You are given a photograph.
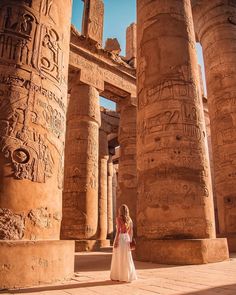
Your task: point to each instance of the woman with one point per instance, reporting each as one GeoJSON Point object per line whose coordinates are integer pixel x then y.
{"type": "Point", "coordinates": [122, 265]}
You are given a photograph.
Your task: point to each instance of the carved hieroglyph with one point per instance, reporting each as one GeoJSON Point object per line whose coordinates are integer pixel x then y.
{"type": "Point", "coordinates": [127, 177]}
{"type": "Point", "coordinates": [174, 183]}
{"type": "Point", "coordinates": [80, 195]}
{"type": "Point", "coordinates": [215, 24]}
{"type": "Point", "coordinates": [34, 49]}
{"type": "Point", "coordinates": [93, 20]}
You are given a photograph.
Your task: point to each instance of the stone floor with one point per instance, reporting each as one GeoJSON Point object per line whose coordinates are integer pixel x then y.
{"type": "Point", "coordinates": [92, 277]}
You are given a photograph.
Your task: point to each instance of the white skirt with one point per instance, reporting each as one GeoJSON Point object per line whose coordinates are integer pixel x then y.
{"type": "Point", "coordinates": [122, 265]}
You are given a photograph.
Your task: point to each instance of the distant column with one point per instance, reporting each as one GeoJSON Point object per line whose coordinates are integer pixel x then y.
{"type": "Point", "coordinates": [175, 214]}
{"type": "Point", "coordinates": [80, 195]}
{"type": "Point", "coordinates": [103, 191]}
{"type": "Point", "coordinates": [93, 17]}
{"type": "Point", "coordinates": [110, 198]}
{"type": "Point", "coordinates": [215, 24]}
{"type": "Point", "coordinates": [131, 45]}
{"type": "Point", "coordinates": [127, 177]}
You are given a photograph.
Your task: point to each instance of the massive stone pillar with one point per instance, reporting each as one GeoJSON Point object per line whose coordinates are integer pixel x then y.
{"type": "Point", "coordinates": [80, 195]}
{"type": "Point", "coordinates": [175, 214]}
{"type": "Point", "coordinates": [127, 177]}
{"type": "Point", "coordinates": [215, 25]}
{"type": "Point", "coordinates": [110, 228]}
{"type": "Point", "coordinates": [34, 53]}
{"type": "Point", "coordinates": [102, 194]}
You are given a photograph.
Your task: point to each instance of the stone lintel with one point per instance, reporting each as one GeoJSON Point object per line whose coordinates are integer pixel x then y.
{"type": "Point", "coordinates": [31, 263]}
{"type": "Point", "coordinates": [96, 68]}
{"type": "Point", "coordinates": [181, 252]}
{"type": "Point", "coordinates": [90, 245]}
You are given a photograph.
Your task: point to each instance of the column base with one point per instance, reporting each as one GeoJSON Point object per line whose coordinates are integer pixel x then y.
{"type": "Point", "coordinates": [30, 263]}
{"type": "Point", "coordinates": [90, 245]}
{"type": "Point", "coordinates": [231, 243]}
{"type": "Point", "coordinates": [181, 252]}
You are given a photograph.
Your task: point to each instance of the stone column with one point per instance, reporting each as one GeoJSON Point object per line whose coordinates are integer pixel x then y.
{"type": "Point", "coordinates": [110, 228]}
{"type": "Point", "coordinates": [127, 177]}
{"type": "Point", "coordinates": [34, 53]}
{"type": "Point", "coordinates": [80, 195]}
{"type": "Point", "coordinates": [175, 214]}
{"type": "Point", "coordinates": [93, 17]}
{"type": "Point", "coordinates": [103, 191]}
{"type": "Point", "coordinates": [131, 45]}
{"type": "Point", "coordinates": [215, 25]}
{"type": "Point", "coordinates": [114, 194]}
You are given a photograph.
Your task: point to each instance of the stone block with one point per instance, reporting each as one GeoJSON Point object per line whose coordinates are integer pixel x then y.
{"type": "Point", "coordinates": [90, 245]}
{"type": "Point", "coordinates": [181, 252]}
{"type": "Point", "coordinates": [31, 263]}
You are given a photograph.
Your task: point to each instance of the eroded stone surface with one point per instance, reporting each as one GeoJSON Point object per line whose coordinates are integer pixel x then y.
{"type": "Point", "coordinates": [12, 226]}
{"type": "Point", "coordinates": [102, 192]}
{"type": "Point", "coordinates": [93, 20]}
{"type": "Point", "coordinates": [34, 48]}
{"type": "Point", "coordinates": [127, 176]}
{"type": "Point", "coordinates": [80, 195]}
{"type": "Point", "coordinates": [112, 45]}
{"type": "Point", "coordinates": [216, 34]}
{"type": "Point", "coordinates": [174, 183]}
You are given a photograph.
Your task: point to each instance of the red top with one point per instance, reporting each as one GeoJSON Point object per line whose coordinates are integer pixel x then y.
{"type": "Point", "coordinates": [121, 226]}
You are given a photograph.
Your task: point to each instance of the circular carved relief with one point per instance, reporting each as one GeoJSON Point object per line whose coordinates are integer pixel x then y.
{"type": "Point", "coordinates": [21, 156]}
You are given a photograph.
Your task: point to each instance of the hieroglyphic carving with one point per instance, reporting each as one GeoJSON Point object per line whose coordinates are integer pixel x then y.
{"type": "Point", "coordinates": [18, 31]}
{"type": "Point", "coordinates": [93, 19]}
{"type": "Point", "coordinates": [46, 6]}
{"type": "Point", "coordinates": [50, 54]}
{"type": "Point", "coordinates": [24, 42]}
{"type": "Point", "coordinates": [13, 80]}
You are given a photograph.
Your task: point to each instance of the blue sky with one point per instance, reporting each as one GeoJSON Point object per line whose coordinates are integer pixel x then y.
{"type": "Point", "coordinates": [119, 14]}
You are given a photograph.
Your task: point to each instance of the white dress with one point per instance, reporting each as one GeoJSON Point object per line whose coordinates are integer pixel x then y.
{"type": "Point", "coordinates": [122, 265]}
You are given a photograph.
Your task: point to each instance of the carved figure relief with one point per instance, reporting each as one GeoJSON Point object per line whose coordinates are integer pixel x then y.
{"type": "Point", "coordinates": [19, 28]}
{"type": "Point", "coordinates": [50, 53]}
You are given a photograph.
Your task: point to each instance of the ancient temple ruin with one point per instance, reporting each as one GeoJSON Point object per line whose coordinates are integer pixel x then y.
{"type": "Point", "coordinates": [168, 152]}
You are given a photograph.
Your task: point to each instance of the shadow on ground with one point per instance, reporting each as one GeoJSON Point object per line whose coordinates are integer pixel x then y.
{"type": "Point", "coordinates": [63, 287]}
{"type": "Point", "coordinates": [93, 262]}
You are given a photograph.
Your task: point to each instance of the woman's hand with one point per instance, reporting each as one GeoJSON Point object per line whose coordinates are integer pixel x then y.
{"type": "Point", "coordinates": [115, 244]}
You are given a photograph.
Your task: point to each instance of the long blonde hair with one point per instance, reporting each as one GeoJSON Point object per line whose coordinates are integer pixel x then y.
{"type": "Point", "coordinates": [124, 215]}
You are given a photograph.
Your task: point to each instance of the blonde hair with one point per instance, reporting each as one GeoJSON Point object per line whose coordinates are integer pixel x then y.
{"type": "Point", "coordinates": [124, 214]}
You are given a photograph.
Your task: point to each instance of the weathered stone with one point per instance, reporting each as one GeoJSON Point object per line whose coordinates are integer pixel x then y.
{"type": "Point", "coordinates": [112, 45]}
{"type": "Point", "coordinates": [174, 182]}
{"type": "Point", "coordinates": [110, 217]}
{"type": "Point", "coordinates": [127, 177]}
{"type": "Point", "coordinates": [93, 17]}
{"type": "Point", "coordinates": [216, 30]}
{"type": "Point", "coordinates": [12, 226]}
{"type": "Point", "coordinates": [102, 193]}
{"type": "Point", "coordinates": [131, 45]}
{"type": "Point", "coordinates": [30, 263]}
{"type": "Point", "coordinates": [80, 195]}
{"type": "Point", "coordinates": [34, 55]}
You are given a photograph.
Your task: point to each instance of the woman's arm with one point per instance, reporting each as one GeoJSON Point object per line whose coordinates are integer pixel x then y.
{"type": "Point", "coordinates": [116, 240]}
{"type": "Point", "coordinates": [131, 232]}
